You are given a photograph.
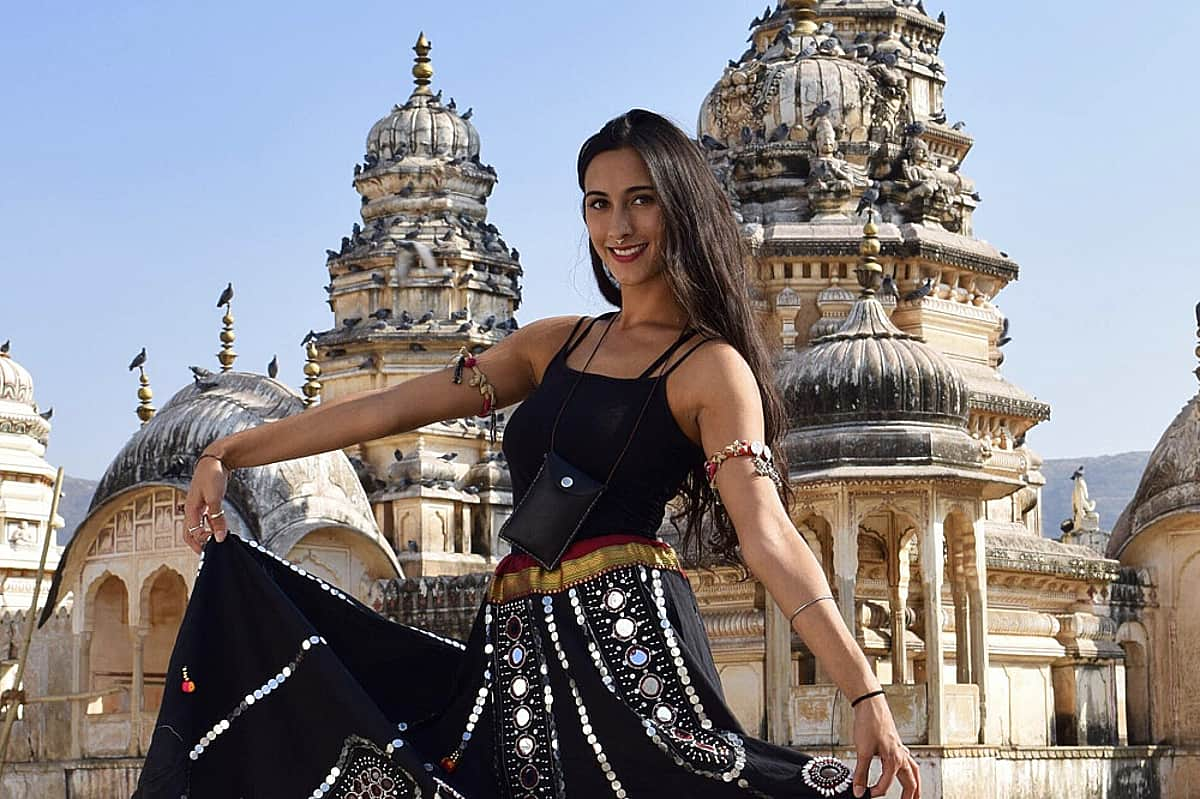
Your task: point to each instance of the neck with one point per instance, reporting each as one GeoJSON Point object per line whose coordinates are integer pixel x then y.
{"type": "Point", "coordinates": [651, 304]}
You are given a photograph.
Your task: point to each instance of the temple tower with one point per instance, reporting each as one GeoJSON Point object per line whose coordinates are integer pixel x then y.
{"type": "Point", "coordinates": [424, 274]}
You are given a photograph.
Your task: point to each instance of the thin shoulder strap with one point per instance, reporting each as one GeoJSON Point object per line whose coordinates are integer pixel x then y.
{"type": "Point", "coordinates": [573, 342]}
{"type": "Point", "coordinates": [693, 348]}
{"type": "Point", "coordinates": [661, 359]}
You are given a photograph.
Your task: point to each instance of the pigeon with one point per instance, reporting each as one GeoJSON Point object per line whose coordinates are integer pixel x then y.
{"type": "Point", "coordinates": [351, 321]}
{"type": "Point", "coordinates": [331, 254]}
{"type": "Point", "coordinates": [437, 98]}
{"type": "Point", "coordinates": [308, 337]}
{"type": "Point", "coordinates": [747, 135]}
{"type": "Point", "coordinates": [888, 287]}
{"type": "Point", "coordinates": [137, 361]}
{"type": "Point", "coordinates": [378, 279]}
{"type": "Point", "coordinates": [821, 109]}
{"type": "Point", "coordinates": [958, 125]}
{"type": "Point", "coordinates": [942, 18]}
{"type": "Point", "coordinates": [382, 313]}
{"type": "Point", "coordinates": [226, 296]}
{"type": "Point", "coordinates": [412, 546]}
{"type": "Point", "coordinates": [1078, 473]}
{"type": "Point", "coordinates": [914, 129]}
{"type": "Point", "coordinates": [710, 143]}
{"type": "Point", "coordinates": [397, 454]}
{"type": "Point", "coordinates": [458, 316]}
{"type": "Point", "coordinates": [47, 414]}
{"type": "Point", "coordinates": [464, 327]}
{"type": "Point", "coordinates": [920, 292]}
{"type": "Point", "coordinates": [417, 346]}
{"type": "Point", "coordinates": [452, 105]}
{"type": "Point", "coordinates": [468, 113]}
{"type": "Point", "coordinates": [4, 348]}
{"type": "Point", "coordinates": [413, 254]}
{"type": "Point", "coordinates": [367, 362]}
{"type": "Point", "coordinates": [826, 29]}
{"type": "Point", "coordinates": [516, 256]}
{"type": "Point", "coordinates": [953, 168]}
{"type": "Point", "coordinates": [200, 373]}
{"type": "Point", "coordinates": [975, 196]}
{"type": "Point", "coordinates": [869, 198]}
{"type": "Point", "coordinates": [487, 323]}
{"type": "Point", "coordinates": [780, 133]}
{"type": "Point", "coordinates": [939, 117]}
{"type": "Point", "coordinates": [449, 456]}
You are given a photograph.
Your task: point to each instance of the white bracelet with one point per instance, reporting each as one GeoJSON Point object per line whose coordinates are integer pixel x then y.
{"type": "Point", "coordinates": [812, 601]}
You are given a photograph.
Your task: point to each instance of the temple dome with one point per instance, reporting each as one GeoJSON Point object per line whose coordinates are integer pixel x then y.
{"type": "Point", "coordinates": [1170, 483]}
{"type": "Point", "coordinates": [423, 126]}
{"type": "Point", "coordinates": [871, 371]}
{"type": "Point", "coordinates": [16, 384]}
{"type": "Point", "coordinates": [762, 94]}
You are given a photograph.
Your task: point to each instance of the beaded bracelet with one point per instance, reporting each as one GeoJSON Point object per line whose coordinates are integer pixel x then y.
{"type": "Point", "coordinates": [478, 378]}
{"type": "Point", "coordinates": [760, 455]}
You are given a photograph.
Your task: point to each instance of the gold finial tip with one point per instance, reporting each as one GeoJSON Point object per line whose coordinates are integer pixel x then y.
{"type": "Point", "coordinates": [422, 70]}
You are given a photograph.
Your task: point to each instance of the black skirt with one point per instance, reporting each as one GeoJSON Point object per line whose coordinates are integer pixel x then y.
{"type": "Point", "coordinates": [594, 679]}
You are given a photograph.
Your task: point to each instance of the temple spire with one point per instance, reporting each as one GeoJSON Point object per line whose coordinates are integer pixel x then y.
{"type": "Point", "coordinates": [227, 355]}
{"type": "Point", "coordinates": [423, 68]}
{"type": "Point", "coordinates": [869, 272]}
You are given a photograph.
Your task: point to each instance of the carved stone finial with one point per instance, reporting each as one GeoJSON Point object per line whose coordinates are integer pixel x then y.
{"type": "Point", "coordinates": [423, 68]}
{"type": "Point", "coordinates": [870, 272]}
{"type": "Point", "coordinates": [227, 355]}
{"type": "Point", "coordinates": [1197, 370]}
{"type": "Point", "coordinates": [312, 371]}
{"type": "Point", "coordinates": [145, 408]}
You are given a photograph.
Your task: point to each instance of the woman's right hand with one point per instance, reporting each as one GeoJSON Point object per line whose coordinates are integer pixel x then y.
{"type": "Point", "coordinates": [202, 510]}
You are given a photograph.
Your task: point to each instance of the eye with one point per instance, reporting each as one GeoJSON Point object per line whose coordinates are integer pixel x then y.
{"type": "Point", "coordinates": [643, 199]}
{"type": "Point", "coordinates": [597, 203]}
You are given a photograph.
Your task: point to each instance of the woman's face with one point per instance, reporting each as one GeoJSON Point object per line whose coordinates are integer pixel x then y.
{"type": "Point", "coordinates": [623, 215]}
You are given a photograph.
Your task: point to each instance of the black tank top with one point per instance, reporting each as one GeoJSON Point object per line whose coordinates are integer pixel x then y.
{"type": "Point", "coordinates": [594, 426]}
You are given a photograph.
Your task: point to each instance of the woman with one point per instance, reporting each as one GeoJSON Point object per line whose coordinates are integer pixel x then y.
{"type": "Point", "coordinates": [583, 676]}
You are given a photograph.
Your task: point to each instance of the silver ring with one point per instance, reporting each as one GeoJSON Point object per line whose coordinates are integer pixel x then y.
{"type": "Point", "coordinates": [192, 530]}
{"type": "Point", "coordinates": [215, 515]}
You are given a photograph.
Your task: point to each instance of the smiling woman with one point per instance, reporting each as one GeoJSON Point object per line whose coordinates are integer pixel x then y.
{"type": "Point", "coordinates": [587, 672]}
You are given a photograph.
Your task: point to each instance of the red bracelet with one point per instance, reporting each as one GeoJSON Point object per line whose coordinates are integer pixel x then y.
{"type": "Point", "coordinates": [759, 453]}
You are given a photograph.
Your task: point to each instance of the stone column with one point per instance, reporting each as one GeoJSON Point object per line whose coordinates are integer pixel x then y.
{"type": "Point", "coordinates": [900, 573]}
{"type": "Point", "coordinates": [958, 590]}
{"type": "Point", "coordinates": [932, 565]}
{"type": "Point", "coordinates": [137, 691]}
{"type": "Point", "coordinates": [975, 557]}
{"type": "Point", "coordinates": [777, 677]}
{"type": "Point", "coordinates": [83, 683]}
{"type": "Point", "coordinates": [845, 571]}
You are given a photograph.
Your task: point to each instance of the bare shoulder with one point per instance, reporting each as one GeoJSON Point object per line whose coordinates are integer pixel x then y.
{"type": "Point", "coordinates": [717, 369]}
{"type": "Point", "coordinates": [714, 379]}
{"type": "Point", "coordinates": [539, 340]}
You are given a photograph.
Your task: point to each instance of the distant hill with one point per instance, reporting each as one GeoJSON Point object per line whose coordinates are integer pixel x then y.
{"type": "Point", "coordinates": [1111, 479]}
{"type": "Point", "coordinates": [76, 497]}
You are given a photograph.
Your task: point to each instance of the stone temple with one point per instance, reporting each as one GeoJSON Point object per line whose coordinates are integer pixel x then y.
{"type": "Point", "coordinates": [1017, 665]}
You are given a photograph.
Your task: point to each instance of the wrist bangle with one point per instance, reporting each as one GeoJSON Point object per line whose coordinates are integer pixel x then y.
{"type": "Point", "coordinates": [866, 696]}
{"type": "Point", "coordinates": [812, 601]}
{"type": "Point", "coordinates": [217, 458]}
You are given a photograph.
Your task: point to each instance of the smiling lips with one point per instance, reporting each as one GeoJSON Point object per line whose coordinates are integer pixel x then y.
{"type": "Point", "coordinates": [627, 254]}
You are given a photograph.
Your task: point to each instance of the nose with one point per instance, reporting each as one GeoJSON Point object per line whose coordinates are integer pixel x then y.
{"type": "Point", "coordinates": [619, 226]}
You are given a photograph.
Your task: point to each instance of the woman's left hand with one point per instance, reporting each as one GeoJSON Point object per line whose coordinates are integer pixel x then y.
{"type": "Point", "coordinates": [875, 735]}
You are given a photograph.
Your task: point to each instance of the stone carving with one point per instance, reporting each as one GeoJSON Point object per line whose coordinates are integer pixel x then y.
{"type": "Point", "coordinates": [832, 180]}
{"type": "Point", "coordinates": [22, 535]}
{"type": "Point", "coordinates": [921, 187]}
{"type": "Point", "coordinates": [890, 101]}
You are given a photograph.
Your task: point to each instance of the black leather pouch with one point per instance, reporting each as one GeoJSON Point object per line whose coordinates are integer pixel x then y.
{"type": "Point", "coordinates": [549, 515]}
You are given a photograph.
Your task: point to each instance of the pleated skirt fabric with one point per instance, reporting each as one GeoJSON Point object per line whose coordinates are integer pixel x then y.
{"type": "Point", "coordinates": [594, 679]}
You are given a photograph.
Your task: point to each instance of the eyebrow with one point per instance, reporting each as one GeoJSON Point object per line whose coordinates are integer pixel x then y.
{"type": "Point", "coordinates": [627, 191]}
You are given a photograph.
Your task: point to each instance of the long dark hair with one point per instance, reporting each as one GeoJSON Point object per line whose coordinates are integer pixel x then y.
{"type": "Point", "coordinates": [706, 267]}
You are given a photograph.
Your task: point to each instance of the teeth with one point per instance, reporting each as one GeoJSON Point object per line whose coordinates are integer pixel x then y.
{"type": "Point", "coordinates": [629, 251]}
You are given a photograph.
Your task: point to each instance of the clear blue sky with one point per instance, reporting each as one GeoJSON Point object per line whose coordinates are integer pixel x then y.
{"type": "Point", "coordinates": [150, 152]}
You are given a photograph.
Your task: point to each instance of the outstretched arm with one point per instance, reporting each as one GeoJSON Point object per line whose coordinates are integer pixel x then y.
{"type": "Point", "coordinates": [773, 549]}
{"type": "Point", "coordinates": [509, 366]}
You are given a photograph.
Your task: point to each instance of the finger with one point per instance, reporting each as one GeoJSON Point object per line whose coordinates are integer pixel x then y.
{"type": "Point", "coordinates": [216, 520]}
{"type": "Point", "coordinates": [193, 509]}
{"type": "Point", "coordinates": [910, 779]}
{"type": "Point", "coordinates": [891, 763]}
{"type": "Point", "coordinates": [862, 770]}
{"type": "Point", "coordinates": [189, 538]}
